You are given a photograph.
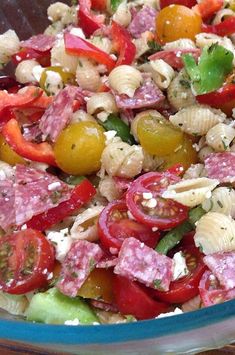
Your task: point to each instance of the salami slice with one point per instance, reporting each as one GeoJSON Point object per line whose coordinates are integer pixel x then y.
{"type": "Point", "coordinates": [36, 191]}
{"type": "Point", "coordinates": [143, 21]}
{"type": "Point", "coordinates": [148, 95]}
{"type": "Point", "coordinates": [57, 116]}
{"type": "Point", "coordinates": [137, 261]}
{"type": "Point", "coordinates": [32, 133]}
{"type": "Point", "coordinates": [7, 200]}
{"type": "Point", "coordinates": [221, 166]}
{"type": "Point", "coordinates": [79, 262]}
{"type": "Point", "coordinates": [106, 263]}
{"type": "Point", "coordinates": [174, 57]}
{"type": "Point", "coordinates": [108, 307]}
{"type": "Point", "coordinates": [222, 266]}
{"type": "Point", "coordinates": [40, 42]}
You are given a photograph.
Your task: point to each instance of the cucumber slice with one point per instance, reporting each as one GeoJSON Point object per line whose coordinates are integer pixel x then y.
{"type": "Point", "coordinates": [52, 307]}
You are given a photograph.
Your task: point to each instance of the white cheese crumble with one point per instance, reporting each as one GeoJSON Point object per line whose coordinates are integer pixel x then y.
{"type": "Point", "coordinates": [169, 314]}
{"type": "Point", "coordinates": [53, 82]}
{"type": "Point", "coordinates": [72, 322]}
{"type": "Point", "coordinates": [109, 135]}
{"type": "Point", "coordinates": [54, 185]}
{"type": "Point", "coordinates": [152, 203]}
{"type": "Point", "coordinates": [77, 32]}
{"type": "Point", "coordinates": [147, 195]}
{"type": "Point", "coordinates": [62, 242]}
{"type": "Point", "coordinates": [180, 267]}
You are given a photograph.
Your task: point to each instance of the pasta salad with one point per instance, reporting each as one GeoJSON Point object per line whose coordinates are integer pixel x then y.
{"type": "Point", "coordinates": [117, 162]}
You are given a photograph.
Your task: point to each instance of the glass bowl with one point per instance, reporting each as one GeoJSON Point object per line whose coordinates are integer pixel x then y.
{"type": "Point", "coordinates": [189, 333]}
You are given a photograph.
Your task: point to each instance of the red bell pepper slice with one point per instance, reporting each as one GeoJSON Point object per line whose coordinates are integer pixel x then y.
{"type": "Point", "coordinates": [122, 44]}
{"type": "Point", "coordinates": [80, 195]}
{"type": "Point", "coordinates": [41, 152]}
{"type": "Point", "coordinates": [225, 28]}
{"type": "Point", "coordinates": [207, 8]}
{"type": "Point", "coordinates": [88, 21]}
{"type": "Point", "coordinates": [78, 46]}
{"type": "Point", "coordinates": [44, 58]}
{"type": "Point", "coordinates": [223, 98]}
{"type": "Point", "coordinates": [99, 5]}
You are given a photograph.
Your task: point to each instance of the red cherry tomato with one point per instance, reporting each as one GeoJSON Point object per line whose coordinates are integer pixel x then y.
{"type": "Point", "coordinates": [27, 258]}
{"type": "Point", "coordinates": [212, 292]}
{"type": "Point", "coordinates": [114, 227]}
{"type": "Point", "coordinates": [155, 211]}
{"type": "Point", "coordinates": [188, 3]}
{"type": "Point", "coordinates": [131, 299]}
{"type": "Point", "coordinates": [185, 288]}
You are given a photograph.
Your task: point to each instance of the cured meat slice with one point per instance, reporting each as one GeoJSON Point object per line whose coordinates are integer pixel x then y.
{"type": "Point", "coordinates": [137, 261]}
{"type": "Point", "coordinates": [107, 262]}
{"type": "Point", "coordinates": [79, 262]}
{"type": "Point", "coordinates": [108, 307]}
{"type": "Point", "coordinates": [148, 95]}
{"type": "Point", "coordinates": [223, 267]}
{"type": "Point", "coordinates": [7, 199]}
{"type": "Point", "coordinates": [143, 21]}
{"type": "Point", "coordinates": [174, 57]}
{"type": "Point", "coordinates": [32, 133]}
{"type": "Point", "coordinates": [57, 116]}
{"type": "Point", "coordinates": [36, 191]}
{"type": "Point", "coordinates": [40, 42]}
{"type": "Point", "coordinates": [221, 166]}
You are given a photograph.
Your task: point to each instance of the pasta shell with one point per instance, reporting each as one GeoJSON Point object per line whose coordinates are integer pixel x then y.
{"type": "Point", "coordinates": [80, 116]}
{"type": "Point", "coordinates": [179, 92]}
{"type": "Point", "coordinates": [204, 152]}
{"type": "Point", "coordinates": [9, 45]}
{"type": "Point", "coordinates": [122, 15]}
{"type": "Point", "coordinates": [107, 188]}
{"type": "Point", "coordinates": [103, 101]}
{"type": "Point", "coordinates": [191, 192]}
{"type": "Point", "coordinates": [56, 11]}
{"type": "Point", "coordinates": [87, 75]}
{"type": "Point", "coordinates": [102, 43]}
{"type": "Point", "coordinates": [183, 43]}
{"type": "Point", "coordinates": [220, 136]}
{"type": "Point", "coordinates": [215, 232]}
{"type": "Point", "coordinates": [13, 304]}
{"type": "Point", "coordinates": [197, 119]}
{"type": "Point", "coordinates": [24, 71]}
{"type": "Point", "coordinates": [162, 73]}
{"type": "Point", "coordinates": [59, 57]}
{"type": "Point", "coordinates": [125, 80]}
{"type": "Point", "coordinates": [222, 201]}
{"type": "Point", "coordinates": [194, 171]}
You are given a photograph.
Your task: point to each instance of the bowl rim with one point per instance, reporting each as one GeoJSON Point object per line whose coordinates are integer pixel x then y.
{"type": "Point", "coordinates": [116, 333]}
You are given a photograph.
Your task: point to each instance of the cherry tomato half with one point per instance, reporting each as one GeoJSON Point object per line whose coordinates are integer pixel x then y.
{"type": "Point", "coordinates": [114, 227]}
{"type": "Point", "coordinates": [212, 292]}
{"type": "Point", "coordinates": [131, 299]}
{"type": "Point", "coordinates": [185, 288]}
{"type": "Point", "coordinates": [148, 207]}
{"type": "Point", "coordinates": [188, 3]}
{"type": "Point", "coordinates": [27, 258]}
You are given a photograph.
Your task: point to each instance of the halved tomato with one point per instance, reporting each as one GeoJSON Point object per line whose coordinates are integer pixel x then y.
{"type": "Point", "coordinates": [27, 259]}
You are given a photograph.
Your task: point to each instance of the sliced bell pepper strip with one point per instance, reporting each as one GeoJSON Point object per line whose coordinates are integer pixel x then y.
{"type": "Point", "coordinates": [214, 64]}
{"type": "Point", "coordinates": [122, 44]}
{"type": "Point", "coordinates": [207, 8]}
{"type": "Point", "coordinates": [88, 21]}
{"type": "Point", "coordinates": [41, 152]}
{"type": "Point", "coordinates": [99, 5]}
{"type": "Point", "coordinates": [78, 46]}
{"type": "Point", "coordinates": [224, 98]}
{"type": "Point", "coordinates": [80, 195]}
{"type": "Point", "coordinates": [44, 58]}
{"type": "Point", "coordinates": [225, 28]}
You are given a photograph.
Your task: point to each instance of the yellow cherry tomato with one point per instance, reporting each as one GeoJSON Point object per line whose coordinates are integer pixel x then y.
{"type": "Point", "coordinates": [185, 155]}
{"type": "Point", "coordinates": [79, 147]}
{"type": "Point", "coordinates": [8, 155]}
{"type": "Point", "coordinates": [158, 136]}
{"type": "Point", "coordinates": [177, 21]}
{"type": "Point", "coordinates": [67, 77]}
{"type": "Point", "coordinates": [98, 285]}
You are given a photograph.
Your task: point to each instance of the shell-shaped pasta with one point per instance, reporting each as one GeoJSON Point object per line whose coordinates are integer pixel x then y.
{"type": "Point", "coordinates": [162, 73]}
{"type": "Point", "coordinates": [107, 188]}
{"type": "Point", "coordinates": [134, 122]}
{"type": "Point", "coordinates": [84, 226]}
{"type": "Point", "coordinates": [220, 136]}
{"type": "Point", "coordinates": [179, 92]}
{"type": "Point", "coordinates": [191, 192]}
{"type": "Point", "coordinates": [56, 11]}
{"type": "Point", "coordinates": [151, 162]}
{"type": "Point", "coordinates": [70, 16]}
{"type": "Point", "coordinates": [197, 119]}
{"type": "Point", "coordinates": [13, 304]}
{"type": "Point", "coordinates": [122, 15]}
{"type": "Point", "coordinates": [222, 200]}
{"type": "Point", "coordinates": [141, 44]}
{"type": "Point", "coordinates": [183, 43]}
{"type": "Point", "coordinates": [207, 39]}
{"type": "Point", "coordinates": [125, 79]}
{"type": "Point", "coordinates": [215, 232]}
{"type": "Point", "coordinates": [122, 159]}
{"type": "Point", "coordinates": [24, 71]}
{"type": "Point", "coordinates": [102, 43]}
{"type": "Point", "coordinates": [80, 115]}
{"type": "Point", "coordinates": [194, 171]}
{"type": "Point", "coordinates": [204, 152]}
{"type": "Point", "coordinates": [219, 17]}
{"type": "Point", "coordinates": [59, 57]}
{"type": "Point", "coordinates": [87, 75]}
{"type": "Point", "coordinates": [9, 45]}
{"type": "Point", "coordinates": [102, 101]}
